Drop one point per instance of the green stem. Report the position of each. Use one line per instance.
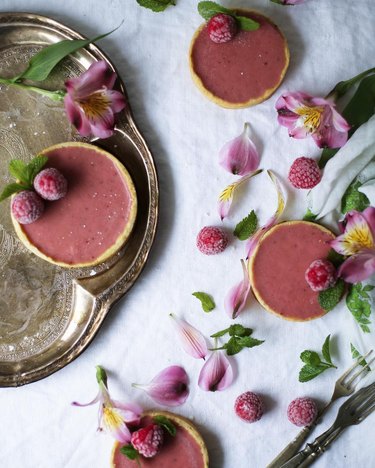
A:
(343, 86)
(54, 95)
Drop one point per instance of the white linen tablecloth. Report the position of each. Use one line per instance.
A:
(330, 40)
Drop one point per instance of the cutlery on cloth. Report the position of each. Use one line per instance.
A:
(352, 412)
(344, 386)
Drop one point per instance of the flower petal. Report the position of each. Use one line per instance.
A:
(216, 373)
(169, 387)
(193, 342)
(357, 235)
(226, 196)
(237, 296)
(98, 75)
(92, 402)
(358, 267)
(113, 421)
(240, 156)
(131, 412)
(76, 116)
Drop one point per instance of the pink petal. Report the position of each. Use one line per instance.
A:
(103, 126)
(193, 342)
(358, 267)
(98, 75)
(216, 373)
(169, 387)
(92, 402)
(113, 421)
(237, 296)
(131, 411)
(76, 116)
(240, 156)
(369, 215)
(357, 235)
(118, 101)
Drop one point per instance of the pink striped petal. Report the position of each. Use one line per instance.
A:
(357, 236)
(240, 156)
(358, 267)
(113, 421)
(76, 116)
(216, 373)
(131, 411)
(169, 387)
(98, 75)
(236, 299)
(192, 340)
(369, 215)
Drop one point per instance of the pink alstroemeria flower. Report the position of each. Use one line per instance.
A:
(216, 373)
(236, 298)
(91, 103)
(240, 156)
(357, 242)
(169, 387)
(113, 415)
(193, 342)
(305, 115)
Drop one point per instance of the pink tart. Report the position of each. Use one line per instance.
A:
(186, 449)
(278, 265)
(95, 217)
(243, 71)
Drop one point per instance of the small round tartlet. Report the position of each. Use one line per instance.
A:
(243, 71)
(187, 449)
(277, 269)
(95, 218)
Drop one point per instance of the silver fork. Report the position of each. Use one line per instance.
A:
(344, 386)
(353, 411)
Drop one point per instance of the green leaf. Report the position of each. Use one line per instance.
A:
(359, 304)
(308, 373)
(329, 298)
(309, 216)
(246, 227)
(166, 424)
(42, 63)
(11, 189)
(220, 333)
(101, 375)
(311, 358)
(156, 5)
(249, 341)
(357, 355)
(326, 351)
(209, 9)
(247, 24)
(353, 199)
(358, 111)
(335, 258)
(34, 167)
(129, 451)
(233, 346)
(17, 169)
(207, 302)
(239, 330)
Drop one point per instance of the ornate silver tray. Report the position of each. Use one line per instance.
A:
(48, 315)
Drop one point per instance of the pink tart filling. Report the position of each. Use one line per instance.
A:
(247, 67)
(80, 227)
(179, 451)
(279, 264)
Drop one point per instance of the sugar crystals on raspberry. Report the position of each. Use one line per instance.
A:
(211, 240)
(249, 407)
(304, 173)
(27, 207)
(50, 184)
(148, 440)
(321, 275)
(302, 411)
(222, 28)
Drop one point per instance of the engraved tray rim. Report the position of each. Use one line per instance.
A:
(104, 300)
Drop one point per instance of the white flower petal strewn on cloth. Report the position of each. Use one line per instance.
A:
(192, 340)
(342, 169)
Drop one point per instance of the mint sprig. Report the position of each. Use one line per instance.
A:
(207, 302)
(130, 452)
(239, 339)
(208, 9)
(353, 199)
(314, 365)
(24, 173)
(358, 301)
(246, 227)
(166, 424)
(329, 298)
(156, 5)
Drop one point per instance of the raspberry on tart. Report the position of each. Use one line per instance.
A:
(26, 207)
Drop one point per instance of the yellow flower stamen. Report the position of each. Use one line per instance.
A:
(111, 418)
(311, 117)
(356, 239)
(95, 105)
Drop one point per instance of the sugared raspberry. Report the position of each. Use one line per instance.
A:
(27, 207)
(302, 411)
(148, 440)
(304, 173)
(249, 407)
(50, 184)
(321, 275)
(211, 240)
(222, 28)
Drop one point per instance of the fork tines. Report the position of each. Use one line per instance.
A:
(361, 361)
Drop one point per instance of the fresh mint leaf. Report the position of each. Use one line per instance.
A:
(309, 216)
(359, 304)
(239, 330)
(209, 9)
(42, 63)
(17, 169)
(207, 302)
(156, 5)
(353, 199)
(326, 351)
(249, 341)
(166, 424)
(233, 346)
(314, 365)
(130, 452)
(220, 333)
(309, 372)
(310, 357)
(335, 258)
(34, 167)
(11, 189)
(246, 227)
(329, 298)
(247, 24)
